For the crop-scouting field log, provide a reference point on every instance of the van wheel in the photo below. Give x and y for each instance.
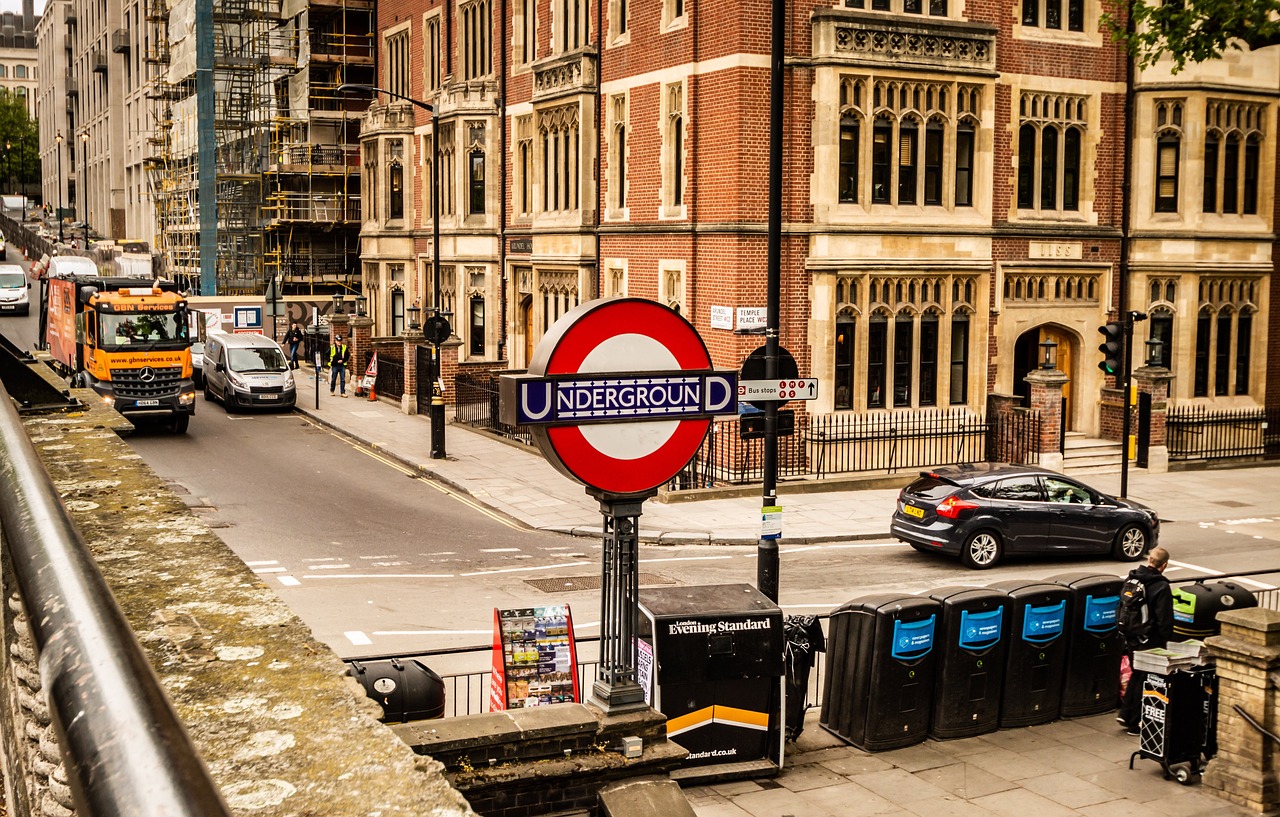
(208, 392)
(178, 425)
(981, 551)
(1130, 544)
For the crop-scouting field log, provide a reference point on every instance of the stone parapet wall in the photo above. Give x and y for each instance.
(270, 709)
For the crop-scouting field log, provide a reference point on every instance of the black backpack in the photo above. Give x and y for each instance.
(1135, 614)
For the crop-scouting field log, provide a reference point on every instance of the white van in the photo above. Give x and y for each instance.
(248, 371)
(14, 298)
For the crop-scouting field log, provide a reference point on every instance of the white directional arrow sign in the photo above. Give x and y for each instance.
(800, 388)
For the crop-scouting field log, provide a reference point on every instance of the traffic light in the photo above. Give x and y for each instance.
(1111, 347)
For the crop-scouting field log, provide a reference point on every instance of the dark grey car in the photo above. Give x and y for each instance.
(985, 511)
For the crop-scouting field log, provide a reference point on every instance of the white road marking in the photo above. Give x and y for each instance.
(330, 567)
(321, 559)
(380, 556)
(686, 559)
(381, 576)
(1212, 572)
(270, 569)
(288, 581)
(519, 569)
(263, 562)
(499, 550)
(358, 638)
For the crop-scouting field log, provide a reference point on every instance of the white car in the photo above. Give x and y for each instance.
(14, 298)
(4, 252)
(197, 364)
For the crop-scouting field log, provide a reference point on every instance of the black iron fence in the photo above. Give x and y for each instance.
(1206, 433)
(390, 382)
(1015, 437)
(476, 405)
(887, 442)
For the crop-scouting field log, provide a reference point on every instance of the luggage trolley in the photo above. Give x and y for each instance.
(1178, 714)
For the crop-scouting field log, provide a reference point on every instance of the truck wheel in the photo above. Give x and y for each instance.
(178, 425)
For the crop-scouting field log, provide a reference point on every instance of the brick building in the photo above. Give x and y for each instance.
(952, 189)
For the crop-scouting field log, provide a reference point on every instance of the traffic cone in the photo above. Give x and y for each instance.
(373, 398)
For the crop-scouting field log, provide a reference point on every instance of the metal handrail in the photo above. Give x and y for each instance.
(123, 746)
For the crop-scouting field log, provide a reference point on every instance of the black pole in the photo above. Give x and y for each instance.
(58, 142)
(767, 552)
(1125, 420)
(84, 183)
(437, 393)
(1125, 315)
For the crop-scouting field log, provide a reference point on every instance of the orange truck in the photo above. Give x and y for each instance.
(125, 338)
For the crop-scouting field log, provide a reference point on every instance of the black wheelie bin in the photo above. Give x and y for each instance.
(1038, 643)
(972, 645)
(1091, 683)
(878, 690)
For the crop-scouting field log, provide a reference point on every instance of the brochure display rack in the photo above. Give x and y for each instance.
(535, 660)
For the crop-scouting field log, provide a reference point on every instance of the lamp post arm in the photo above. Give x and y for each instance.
(347, 87)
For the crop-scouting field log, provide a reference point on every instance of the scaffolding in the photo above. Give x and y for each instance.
(284, 143)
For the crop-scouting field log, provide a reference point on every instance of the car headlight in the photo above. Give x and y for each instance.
(288, 382)
(186, 398)
(236, 380)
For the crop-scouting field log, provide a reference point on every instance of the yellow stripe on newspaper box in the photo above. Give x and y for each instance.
(726, 715)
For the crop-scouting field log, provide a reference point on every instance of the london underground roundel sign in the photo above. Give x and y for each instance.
(619, 394)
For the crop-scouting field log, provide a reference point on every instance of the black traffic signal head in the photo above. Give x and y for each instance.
(1111, 347)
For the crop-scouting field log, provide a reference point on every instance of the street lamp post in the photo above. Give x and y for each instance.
(437, 396)
(58, 140)
(84, 182)
(8, 161)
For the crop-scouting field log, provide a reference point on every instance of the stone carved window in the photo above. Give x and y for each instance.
(1232, 151)
(397, 51)
(1054, 14)
(1168, 115)
(525, 43)
(524, 166)
(571, 19)
(1224, 335)
(916, 339)
(930, 8)
(447, 176)
(476, 21)
(671, 287)
(431, 57)
(558, 131)
(618, 127)
(921, 145)
(1050, 145)
(673, 138)
(395, 179)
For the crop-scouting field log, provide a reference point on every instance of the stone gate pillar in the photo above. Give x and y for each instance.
(1248, 656)
(361, 345)
(1154, 380)
(412, 338)
(1046, 398)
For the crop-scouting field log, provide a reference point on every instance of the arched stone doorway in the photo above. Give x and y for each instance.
(1027, 357)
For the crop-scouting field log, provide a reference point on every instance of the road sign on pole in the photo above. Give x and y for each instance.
(800, 388)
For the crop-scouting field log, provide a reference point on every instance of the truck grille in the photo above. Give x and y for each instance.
(149, 381)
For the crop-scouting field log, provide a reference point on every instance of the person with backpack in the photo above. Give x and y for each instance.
(1146, 622)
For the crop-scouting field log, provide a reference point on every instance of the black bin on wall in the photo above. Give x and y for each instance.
(1039, 614)
(971, 661)
(406, 690)
(878, 690)
(1091, 682)
(1196, 607)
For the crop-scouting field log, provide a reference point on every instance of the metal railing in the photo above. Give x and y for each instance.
(390, 382)
(1206, 433)
(891, 441)
(123, 747)
(476, 405)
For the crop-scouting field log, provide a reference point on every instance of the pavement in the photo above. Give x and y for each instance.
(1068, 767)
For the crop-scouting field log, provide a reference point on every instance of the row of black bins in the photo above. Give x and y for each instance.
(963, 661)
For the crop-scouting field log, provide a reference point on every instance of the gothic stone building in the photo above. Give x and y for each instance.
(953, 189)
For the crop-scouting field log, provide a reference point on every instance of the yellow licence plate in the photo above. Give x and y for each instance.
(910, 510)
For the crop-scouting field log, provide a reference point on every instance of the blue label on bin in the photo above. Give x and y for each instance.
(981, 630)
(1040, 625)
(1100, 613)
(912, 639)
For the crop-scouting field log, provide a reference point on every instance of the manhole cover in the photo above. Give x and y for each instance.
(563, 584)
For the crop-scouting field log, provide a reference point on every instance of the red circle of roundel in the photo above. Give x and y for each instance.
(600, 321)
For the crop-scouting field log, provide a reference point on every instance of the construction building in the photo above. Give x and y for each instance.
(268, 138)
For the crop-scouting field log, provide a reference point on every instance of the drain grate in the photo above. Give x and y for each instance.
(568, 584)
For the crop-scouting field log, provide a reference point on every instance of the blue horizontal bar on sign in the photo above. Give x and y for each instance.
(623, 397)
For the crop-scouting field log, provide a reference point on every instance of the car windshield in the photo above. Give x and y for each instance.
(138, 330)
(12, 280)
(930, 487)
(264, 359)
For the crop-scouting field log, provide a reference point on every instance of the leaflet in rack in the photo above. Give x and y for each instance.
(535, 660)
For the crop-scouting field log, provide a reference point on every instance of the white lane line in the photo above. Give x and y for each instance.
(380, 576)
(432, 632)
(270, 569)
(499, 550)
(521, 569)
(263, 562)
(646, 560)
(358, 638)
(314, 559)
(288, 581)
(1212, 572)
(330, 567)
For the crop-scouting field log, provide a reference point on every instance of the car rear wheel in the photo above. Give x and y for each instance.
(981, 551)
(1130, 544)
(208, 392)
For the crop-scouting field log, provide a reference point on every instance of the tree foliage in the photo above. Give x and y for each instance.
(19, 145)
(1197, 30)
